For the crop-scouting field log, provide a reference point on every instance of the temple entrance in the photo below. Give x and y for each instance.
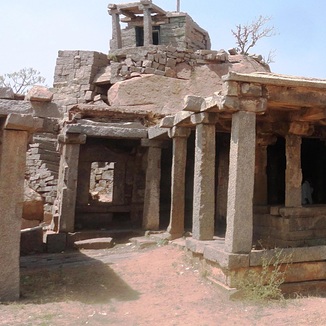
(109, 171)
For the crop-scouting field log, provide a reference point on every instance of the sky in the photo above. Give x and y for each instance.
(33, 31)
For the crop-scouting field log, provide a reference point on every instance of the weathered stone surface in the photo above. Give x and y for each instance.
(12, 169)
(15, 106)
(104, 76)
(151, 215)
(7, 93)
(31, 240)
(39, 94)
(204, 182)
(183, 71)
(33, 204)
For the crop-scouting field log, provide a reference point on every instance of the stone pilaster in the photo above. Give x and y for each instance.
(151, 214)
(260, 187)
(293, 172)
(116, 41)
(67, 181)
(12, 172)
(204, 178)
(177, 212)
(239, 229)
(148, 29)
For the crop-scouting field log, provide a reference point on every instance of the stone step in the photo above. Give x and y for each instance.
(96, 243)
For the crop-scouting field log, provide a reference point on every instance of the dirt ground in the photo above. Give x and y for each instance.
(130, 286)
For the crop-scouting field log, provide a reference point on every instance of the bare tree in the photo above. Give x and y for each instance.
(248, 35)
(21, 80)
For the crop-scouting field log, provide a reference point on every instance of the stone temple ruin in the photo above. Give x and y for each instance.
(166, 134)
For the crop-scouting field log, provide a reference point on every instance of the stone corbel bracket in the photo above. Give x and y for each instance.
(23, 122)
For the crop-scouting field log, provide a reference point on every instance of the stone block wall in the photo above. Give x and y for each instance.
(305, 229)
(166, 61)
(101, 181)
(74, 74)
(42, 166)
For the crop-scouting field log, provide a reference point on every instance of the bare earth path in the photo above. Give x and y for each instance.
(126, 286)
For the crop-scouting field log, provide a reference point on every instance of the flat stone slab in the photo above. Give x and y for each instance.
(97, 243)
(143, 242)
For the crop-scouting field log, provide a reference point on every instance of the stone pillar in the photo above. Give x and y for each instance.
(116, 41)
(151, 214)
(84, 173)
(148, 29)
(67, 180)
(204, 178)
(178, 173)
(260, 187)
(293, 172)
(238, 238)
(12, 173)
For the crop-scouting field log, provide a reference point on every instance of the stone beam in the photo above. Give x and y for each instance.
(109, 131)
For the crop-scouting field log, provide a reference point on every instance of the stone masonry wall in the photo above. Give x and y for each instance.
(160, 60)
(42, 165)
(74, 73)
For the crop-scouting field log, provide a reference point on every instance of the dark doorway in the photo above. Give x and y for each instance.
(140, 35)
(313, 160)
(276, 164)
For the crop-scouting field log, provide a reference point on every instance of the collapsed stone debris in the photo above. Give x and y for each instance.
(164, 133)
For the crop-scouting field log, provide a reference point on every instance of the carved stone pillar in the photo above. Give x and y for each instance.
(116, 41)
(67, 180)
(179, 159)
(239, 229)
(293, 172)
(204, 179)
(151, 215)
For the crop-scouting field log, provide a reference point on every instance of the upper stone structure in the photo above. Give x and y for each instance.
(148, 24)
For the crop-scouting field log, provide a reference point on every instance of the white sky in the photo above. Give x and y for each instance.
(33, 31)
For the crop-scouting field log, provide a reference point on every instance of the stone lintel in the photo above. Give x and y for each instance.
(194, 103)
(205, 118)
(157, 133)
(265, 140)
(154, 143)
(179, 132)
(94, 130)
(72, 138)
(15, 106)
(249, 89)
(24, 122)
(167, 122)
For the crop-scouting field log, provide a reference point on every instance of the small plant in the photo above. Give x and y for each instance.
(266, 283)
(162, 242)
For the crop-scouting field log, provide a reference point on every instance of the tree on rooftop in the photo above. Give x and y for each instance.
(20, 81)
(248, 35)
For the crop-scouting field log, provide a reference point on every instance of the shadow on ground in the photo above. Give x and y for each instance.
(77, 277)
